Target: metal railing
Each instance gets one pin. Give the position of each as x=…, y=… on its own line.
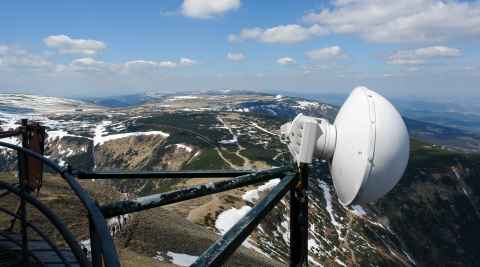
x=294, y=180
x=98, y=224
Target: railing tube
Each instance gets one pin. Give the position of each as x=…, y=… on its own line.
x=219, y=252
x=22, y=174
x=160, y=174
x=108, y=247
x=157, y=200
x=299, y=220
x=95, y=246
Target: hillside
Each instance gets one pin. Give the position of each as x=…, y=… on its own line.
x=147, y=238
x=430, y=218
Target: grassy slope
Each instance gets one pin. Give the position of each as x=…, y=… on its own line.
x=147, y=232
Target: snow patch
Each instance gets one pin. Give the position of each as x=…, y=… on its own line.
x=340, y=262
x=329, y=207
x=11, y=140
x=358, y=210
x=116, y=224
x=234, y=140
x=100, y=136
x=184, y=147
x=85, y=245
x=182, y=97
x=41, y=104
x=314, y=262
x=179, y=259
x=312, y=244
x=253, y=195
x=307, y=104
x=229, y=142
x=59, y=134
x=230, y=217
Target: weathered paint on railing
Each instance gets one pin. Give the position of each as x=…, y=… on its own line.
x=157, y=200
x=161, y=174
x=219, y=252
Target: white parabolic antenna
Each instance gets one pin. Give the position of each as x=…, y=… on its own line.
x=368, y=146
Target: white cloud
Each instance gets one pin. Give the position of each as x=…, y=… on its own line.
x=286, y=61
x=89, y=64
x=12, y=57
x=166, y=64
x=420, y=55
x=287, y=34
x=67, y=45
x=413, y=69
x=387, y=21
x=403, y=61
x=204, y=9
x=235, y=56
x=326, y=53
x=438, y=51
x=143, y=64
x=3, y=49
x=86, y=61
x=186, y=62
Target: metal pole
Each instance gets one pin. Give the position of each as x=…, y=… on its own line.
x=160, y=174
x=23, y=215
x=22, y=174
x=157, y=200
x=6, y=134
x=95, y=247
x=299, y=220
x=219, y=252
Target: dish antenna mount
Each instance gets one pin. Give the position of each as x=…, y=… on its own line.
x=368, y=146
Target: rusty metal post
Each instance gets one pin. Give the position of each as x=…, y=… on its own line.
x=22, y=158
x=33, y=139
x=299, y=220
x=22, y=173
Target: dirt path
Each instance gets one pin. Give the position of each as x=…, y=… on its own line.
x=229, y=163
x=247, y=164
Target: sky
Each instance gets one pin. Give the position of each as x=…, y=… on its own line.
x=417, y=48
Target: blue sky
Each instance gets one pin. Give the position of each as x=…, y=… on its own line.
x=85, y=48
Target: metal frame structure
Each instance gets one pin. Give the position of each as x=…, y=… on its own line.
x=294, y=180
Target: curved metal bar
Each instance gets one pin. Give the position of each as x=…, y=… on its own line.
x=42, y=235
x=6, y=193
x=20, y=246
x=108, y=247
x=57, y=222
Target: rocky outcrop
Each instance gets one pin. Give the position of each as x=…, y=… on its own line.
x=76, y=151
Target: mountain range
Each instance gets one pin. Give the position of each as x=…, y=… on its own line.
x=431, y=218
